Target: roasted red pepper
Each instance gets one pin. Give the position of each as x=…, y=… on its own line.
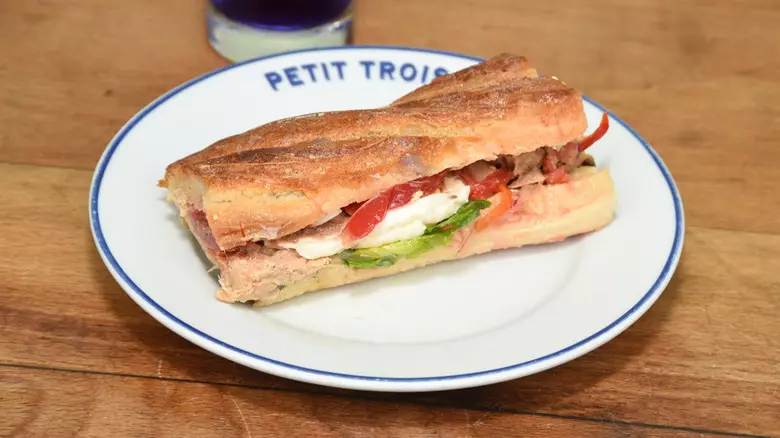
x=500, y=209
x=366, y=215
x=597, y=134
x=557, y=176
x=488, y=186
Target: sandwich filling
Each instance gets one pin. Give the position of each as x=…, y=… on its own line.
x=410, y=219
x=401, y=223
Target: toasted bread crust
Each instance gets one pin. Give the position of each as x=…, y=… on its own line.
x=283, y=176
x=501, y=67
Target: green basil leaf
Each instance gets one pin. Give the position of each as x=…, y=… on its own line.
x=353, y=260
x=409, y=248
x=466, y=214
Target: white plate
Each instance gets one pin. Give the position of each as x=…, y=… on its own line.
x=473, y=322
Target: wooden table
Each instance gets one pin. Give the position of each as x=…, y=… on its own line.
x=699, y=79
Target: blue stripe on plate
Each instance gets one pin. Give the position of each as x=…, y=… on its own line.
x=109, y=257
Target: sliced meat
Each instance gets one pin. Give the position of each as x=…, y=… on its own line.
x=568, y=153
x=201, y=229
x=534, y=176
x=534, y=167
x=480, y=170
x=259, y=270
x=326, y=218
x=331, y=228
x=527, y=168
x=527, y=162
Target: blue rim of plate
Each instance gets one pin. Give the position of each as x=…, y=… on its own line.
x=97, y=232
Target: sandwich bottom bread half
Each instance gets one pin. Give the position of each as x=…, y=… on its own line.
x=487, y=158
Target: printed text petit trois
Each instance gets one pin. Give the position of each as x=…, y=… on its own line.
x=310, y=73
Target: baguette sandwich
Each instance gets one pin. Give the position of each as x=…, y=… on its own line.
x=486, y=158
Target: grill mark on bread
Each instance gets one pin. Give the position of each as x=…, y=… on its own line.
x=435, y=117
x=325, y=161
x=476, y=77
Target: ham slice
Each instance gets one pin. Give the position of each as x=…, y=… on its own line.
x=480, y=170
x=201, y=229
x=331, y=228
x=527, y=162
x=527, y=167
x=530, y=167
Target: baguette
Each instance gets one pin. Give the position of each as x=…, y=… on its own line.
x=279, y=178
x=249, y=199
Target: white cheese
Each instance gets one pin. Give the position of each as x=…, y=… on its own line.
x=410, y=220
x=316, y=248
x=400, y=223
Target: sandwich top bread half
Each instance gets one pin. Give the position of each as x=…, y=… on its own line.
x=489, y=157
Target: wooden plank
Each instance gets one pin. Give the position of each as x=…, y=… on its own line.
x=74, y=72
x=691, y=76
x=705, y=356
x=33, y=401
x=662, y=66
x=700, y=91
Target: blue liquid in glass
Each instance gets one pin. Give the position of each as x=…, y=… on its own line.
x=282, y=14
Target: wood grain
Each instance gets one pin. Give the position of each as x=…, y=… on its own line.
x=118, y=406
x=72, y=73
x=695, y=349
x=700, y=80
x=676, y=71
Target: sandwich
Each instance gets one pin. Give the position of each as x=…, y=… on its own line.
x=487, y=158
